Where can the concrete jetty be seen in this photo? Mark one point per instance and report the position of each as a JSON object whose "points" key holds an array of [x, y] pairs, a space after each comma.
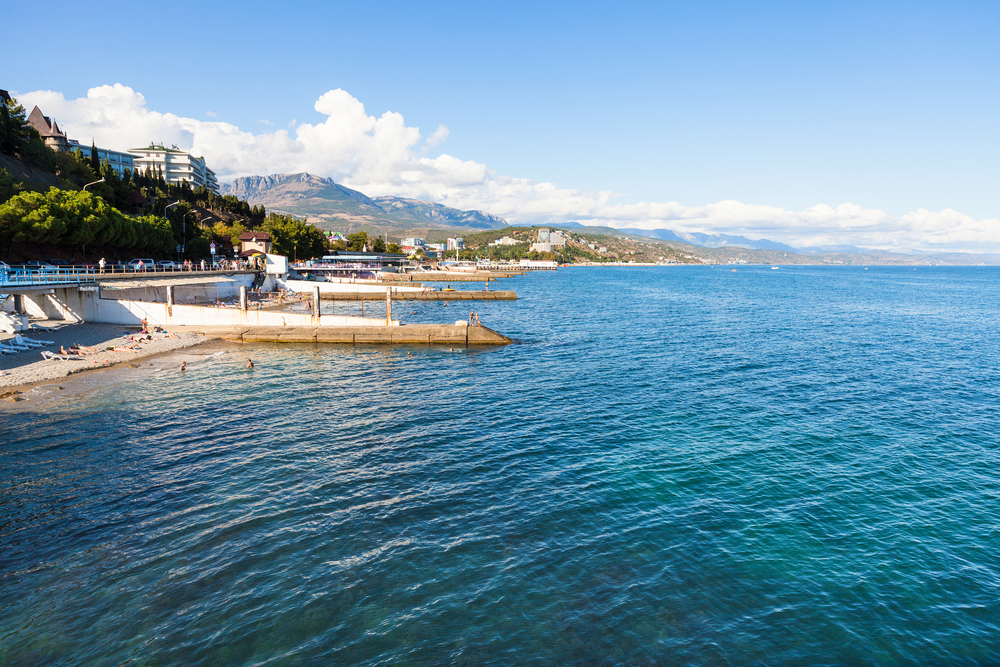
{"points": [[415, 334], [443, 277], [457, 295]]}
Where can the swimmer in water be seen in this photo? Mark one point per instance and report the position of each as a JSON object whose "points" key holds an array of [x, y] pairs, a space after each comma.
{"points": [[184, 365], [249, 363]]}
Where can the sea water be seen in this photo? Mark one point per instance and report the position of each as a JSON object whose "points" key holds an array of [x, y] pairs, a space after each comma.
{"points": [[676, 465]]}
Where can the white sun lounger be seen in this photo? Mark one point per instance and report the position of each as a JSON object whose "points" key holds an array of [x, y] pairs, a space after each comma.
{"points": [[39, 327], [21, 340], [12, 346], [61, 357]]}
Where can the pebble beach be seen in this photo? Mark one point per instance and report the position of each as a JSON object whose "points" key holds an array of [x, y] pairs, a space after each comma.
{"points": [[27, 368]]}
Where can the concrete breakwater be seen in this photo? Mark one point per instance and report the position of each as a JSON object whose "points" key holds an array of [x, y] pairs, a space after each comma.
{"points": [[498, 295], [442, 277], [427, 334]]}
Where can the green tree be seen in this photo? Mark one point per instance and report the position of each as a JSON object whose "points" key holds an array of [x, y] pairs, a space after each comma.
{"points": [[294, 238], [95, 161], [9, 186], [14, 132], [357, 241]]}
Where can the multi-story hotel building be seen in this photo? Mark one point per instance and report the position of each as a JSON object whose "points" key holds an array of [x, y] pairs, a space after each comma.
{"points": [[119, 161], [175, 165]]}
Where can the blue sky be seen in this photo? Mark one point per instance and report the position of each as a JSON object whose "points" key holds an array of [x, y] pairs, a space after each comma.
{"points": [[888, 106]]}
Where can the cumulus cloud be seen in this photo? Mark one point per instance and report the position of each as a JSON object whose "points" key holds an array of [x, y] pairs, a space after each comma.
{"points": [[381, 155]]}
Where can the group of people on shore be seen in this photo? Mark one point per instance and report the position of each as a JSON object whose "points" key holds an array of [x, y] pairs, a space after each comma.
{"points": [[474, 319]]}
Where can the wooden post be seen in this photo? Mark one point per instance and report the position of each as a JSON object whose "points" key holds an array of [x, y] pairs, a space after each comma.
{"points": [[243, 298], [316, 302], [388, 306]]}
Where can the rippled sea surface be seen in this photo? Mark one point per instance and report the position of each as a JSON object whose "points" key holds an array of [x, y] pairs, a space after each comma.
{"points": [[674, 466]]}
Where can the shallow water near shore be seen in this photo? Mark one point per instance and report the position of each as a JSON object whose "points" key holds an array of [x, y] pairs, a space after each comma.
{"points": [[682, 465]]}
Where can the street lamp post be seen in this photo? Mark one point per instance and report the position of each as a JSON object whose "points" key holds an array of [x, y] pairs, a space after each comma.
{"points": [[184, 235], [94, 183], [165, 214]]}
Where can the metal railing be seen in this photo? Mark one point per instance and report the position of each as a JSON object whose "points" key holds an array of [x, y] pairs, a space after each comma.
{"points": [[31, 276]]}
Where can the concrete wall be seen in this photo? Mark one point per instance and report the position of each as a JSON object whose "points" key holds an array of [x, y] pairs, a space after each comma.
{"points": [[205, 293], [65, 303], [69, 303], [346, 287], [133, 312]]}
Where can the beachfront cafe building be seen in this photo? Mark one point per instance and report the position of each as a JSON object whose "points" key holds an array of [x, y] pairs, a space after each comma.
{"points": [[255, 243], [353, 264]]}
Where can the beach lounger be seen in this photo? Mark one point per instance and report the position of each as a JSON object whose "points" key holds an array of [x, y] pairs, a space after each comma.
{"points": [[39, 327], [43, 343], [21, 340], [11, 345], [61, 357]]}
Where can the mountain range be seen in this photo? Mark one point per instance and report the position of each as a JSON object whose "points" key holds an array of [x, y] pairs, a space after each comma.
{"points": [[332, 206], [329, 205]]}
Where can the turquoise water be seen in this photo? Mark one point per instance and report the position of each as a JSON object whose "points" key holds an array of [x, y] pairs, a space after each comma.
{"points": [[674, 466]]}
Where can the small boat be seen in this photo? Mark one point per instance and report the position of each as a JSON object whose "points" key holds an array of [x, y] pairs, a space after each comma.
{"points": [[774, 268]]}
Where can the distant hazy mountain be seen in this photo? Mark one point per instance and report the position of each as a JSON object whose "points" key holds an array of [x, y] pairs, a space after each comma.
{"points": [[330, 205], [710, 240]]}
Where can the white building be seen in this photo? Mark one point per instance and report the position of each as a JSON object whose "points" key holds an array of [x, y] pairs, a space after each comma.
{"points": [[456, 243], [412, 242], [119, 161], [176, 166], [506, 240]]}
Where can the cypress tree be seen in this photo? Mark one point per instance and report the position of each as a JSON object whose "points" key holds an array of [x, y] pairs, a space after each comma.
{"points": [[95, 162]]}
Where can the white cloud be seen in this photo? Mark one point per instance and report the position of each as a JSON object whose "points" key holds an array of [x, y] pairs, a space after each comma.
{"points": [[211, 114], [265, 121], [382, 156]]}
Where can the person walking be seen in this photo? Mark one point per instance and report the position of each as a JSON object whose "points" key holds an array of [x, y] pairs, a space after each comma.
{"points": [[102, 264]]}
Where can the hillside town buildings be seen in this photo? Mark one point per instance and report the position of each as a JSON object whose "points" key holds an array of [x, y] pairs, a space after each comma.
{"points": [[49, 130], [176, 166], [118, 160], [57, 140]]}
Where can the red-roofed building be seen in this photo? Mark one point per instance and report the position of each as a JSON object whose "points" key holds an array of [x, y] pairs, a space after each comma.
{"points": [[254, 242]]}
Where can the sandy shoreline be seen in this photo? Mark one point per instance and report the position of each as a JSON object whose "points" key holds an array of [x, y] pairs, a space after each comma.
{"points": [[27, 369]]}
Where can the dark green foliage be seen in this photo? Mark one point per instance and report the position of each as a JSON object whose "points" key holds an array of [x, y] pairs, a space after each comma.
{"points": [[75, 218], [357, 241], [378, 244], [14, 133], [9, 186], [294, 238], [95, 161]]}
